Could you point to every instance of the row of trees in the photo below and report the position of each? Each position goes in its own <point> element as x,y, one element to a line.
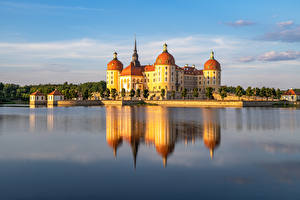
<point>249,92</point>
<point>11,92</point>
<point>222,91</point>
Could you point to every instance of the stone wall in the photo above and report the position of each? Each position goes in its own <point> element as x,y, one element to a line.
<point>178,103</point>
<point>197,103</point>
<point>79,103</point>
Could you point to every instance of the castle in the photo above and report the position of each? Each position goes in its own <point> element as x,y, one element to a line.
<point>163,74</point>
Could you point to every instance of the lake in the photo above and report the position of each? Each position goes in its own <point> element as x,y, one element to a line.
<point>149,152</point>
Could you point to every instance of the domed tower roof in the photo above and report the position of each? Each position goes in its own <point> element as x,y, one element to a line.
<point>115,64</point>
<point>212,64</point>
<point>165,58</point>
<point>114,143</point>
<point>211,141</point>
<point>165,151</point>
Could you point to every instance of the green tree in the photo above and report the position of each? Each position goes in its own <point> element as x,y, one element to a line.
<point>223,92</point>
<point>85,94</point>
<point>209,92</point>
<point>114,93</point>
<point>195,92</point>
<point>102,93</point>
<point>107,92</point>
<point>184,93</point>
<point>73,93</point>
<point>123,92</point>
<point>262,92</point>
<point>173,94</point>
<point>146,93</point>
<point>239,91</point>
<point>268,93</point>
<point>132,93</point>
<point>138,92</point>
<point>273,91</point>
<point>256,92</point>
<point>278,93</point>
<point>249,92</point>
<point>162,93</point>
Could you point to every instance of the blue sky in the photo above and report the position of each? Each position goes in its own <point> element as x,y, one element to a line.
<point>52,41</point>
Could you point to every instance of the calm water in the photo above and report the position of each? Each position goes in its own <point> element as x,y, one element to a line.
<point>149,153</point>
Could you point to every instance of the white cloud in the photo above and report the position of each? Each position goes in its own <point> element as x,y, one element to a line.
<point>285,34</point>
<point>279,56</point>
<point>286,23</point>
<point>240,23</point>
<point>85,59</point>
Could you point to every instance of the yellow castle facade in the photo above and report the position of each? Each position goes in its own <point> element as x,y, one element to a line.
<point>163,74</point>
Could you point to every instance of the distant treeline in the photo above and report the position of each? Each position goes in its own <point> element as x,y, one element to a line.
<point>249,92</point>
<point>14,92</point>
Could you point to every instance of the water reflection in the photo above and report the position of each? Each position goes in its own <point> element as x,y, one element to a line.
<point>162,128</point>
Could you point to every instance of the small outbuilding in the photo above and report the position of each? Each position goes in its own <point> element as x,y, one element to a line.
<point>55,96</point>
<point>37,98</point>
<point>291,95</point>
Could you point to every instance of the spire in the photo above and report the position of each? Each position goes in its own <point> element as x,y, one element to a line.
<point>115,152</point>
<point>135,44</point>
<point>134,148</point>
<point>165,48</point>
<point>165,159</point>
<point>212,55</point>
<point>115,55</point>
<point>135,56</point>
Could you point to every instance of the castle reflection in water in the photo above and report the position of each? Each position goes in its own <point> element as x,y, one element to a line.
<point>161,127</point>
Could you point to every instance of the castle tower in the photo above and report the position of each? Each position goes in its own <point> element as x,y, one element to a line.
<point>114,68</point>
<point>165,68</point>
<point>212,72</point>
<point>211,130</point>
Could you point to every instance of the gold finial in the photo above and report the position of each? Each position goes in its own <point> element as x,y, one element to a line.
<point>115,55</point>
<point>165,47</point>
<point>212,55</point>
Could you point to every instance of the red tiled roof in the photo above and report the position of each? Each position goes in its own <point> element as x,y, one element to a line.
<point>212,64</point>
<point>192,71</point>
<point>38,93</point>
<point>132,70</point>
<point>148,68</point>
<point>291,92</point>
<point>55,92</point>
<point>115,64</point>
<point>165,58</point>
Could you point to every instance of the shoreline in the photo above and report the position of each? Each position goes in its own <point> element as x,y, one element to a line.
<point>173,103</point>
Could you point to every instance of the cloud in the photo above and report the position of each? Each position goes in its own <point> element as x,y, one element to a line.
<point>272,56</point>
<point>285,35</point>
<point>85,59</point>
<point>247,59</point>
<point>279,56</point>
<point>240,23</point>
<point>285,24</point>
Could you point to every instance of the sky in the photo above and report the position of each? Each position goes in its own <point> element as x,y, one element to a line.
<point>52,41</point>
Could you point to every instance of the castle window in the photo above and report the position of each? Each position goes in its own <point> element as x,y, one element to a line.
<point>158,87</point>
<point>166,79</point>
